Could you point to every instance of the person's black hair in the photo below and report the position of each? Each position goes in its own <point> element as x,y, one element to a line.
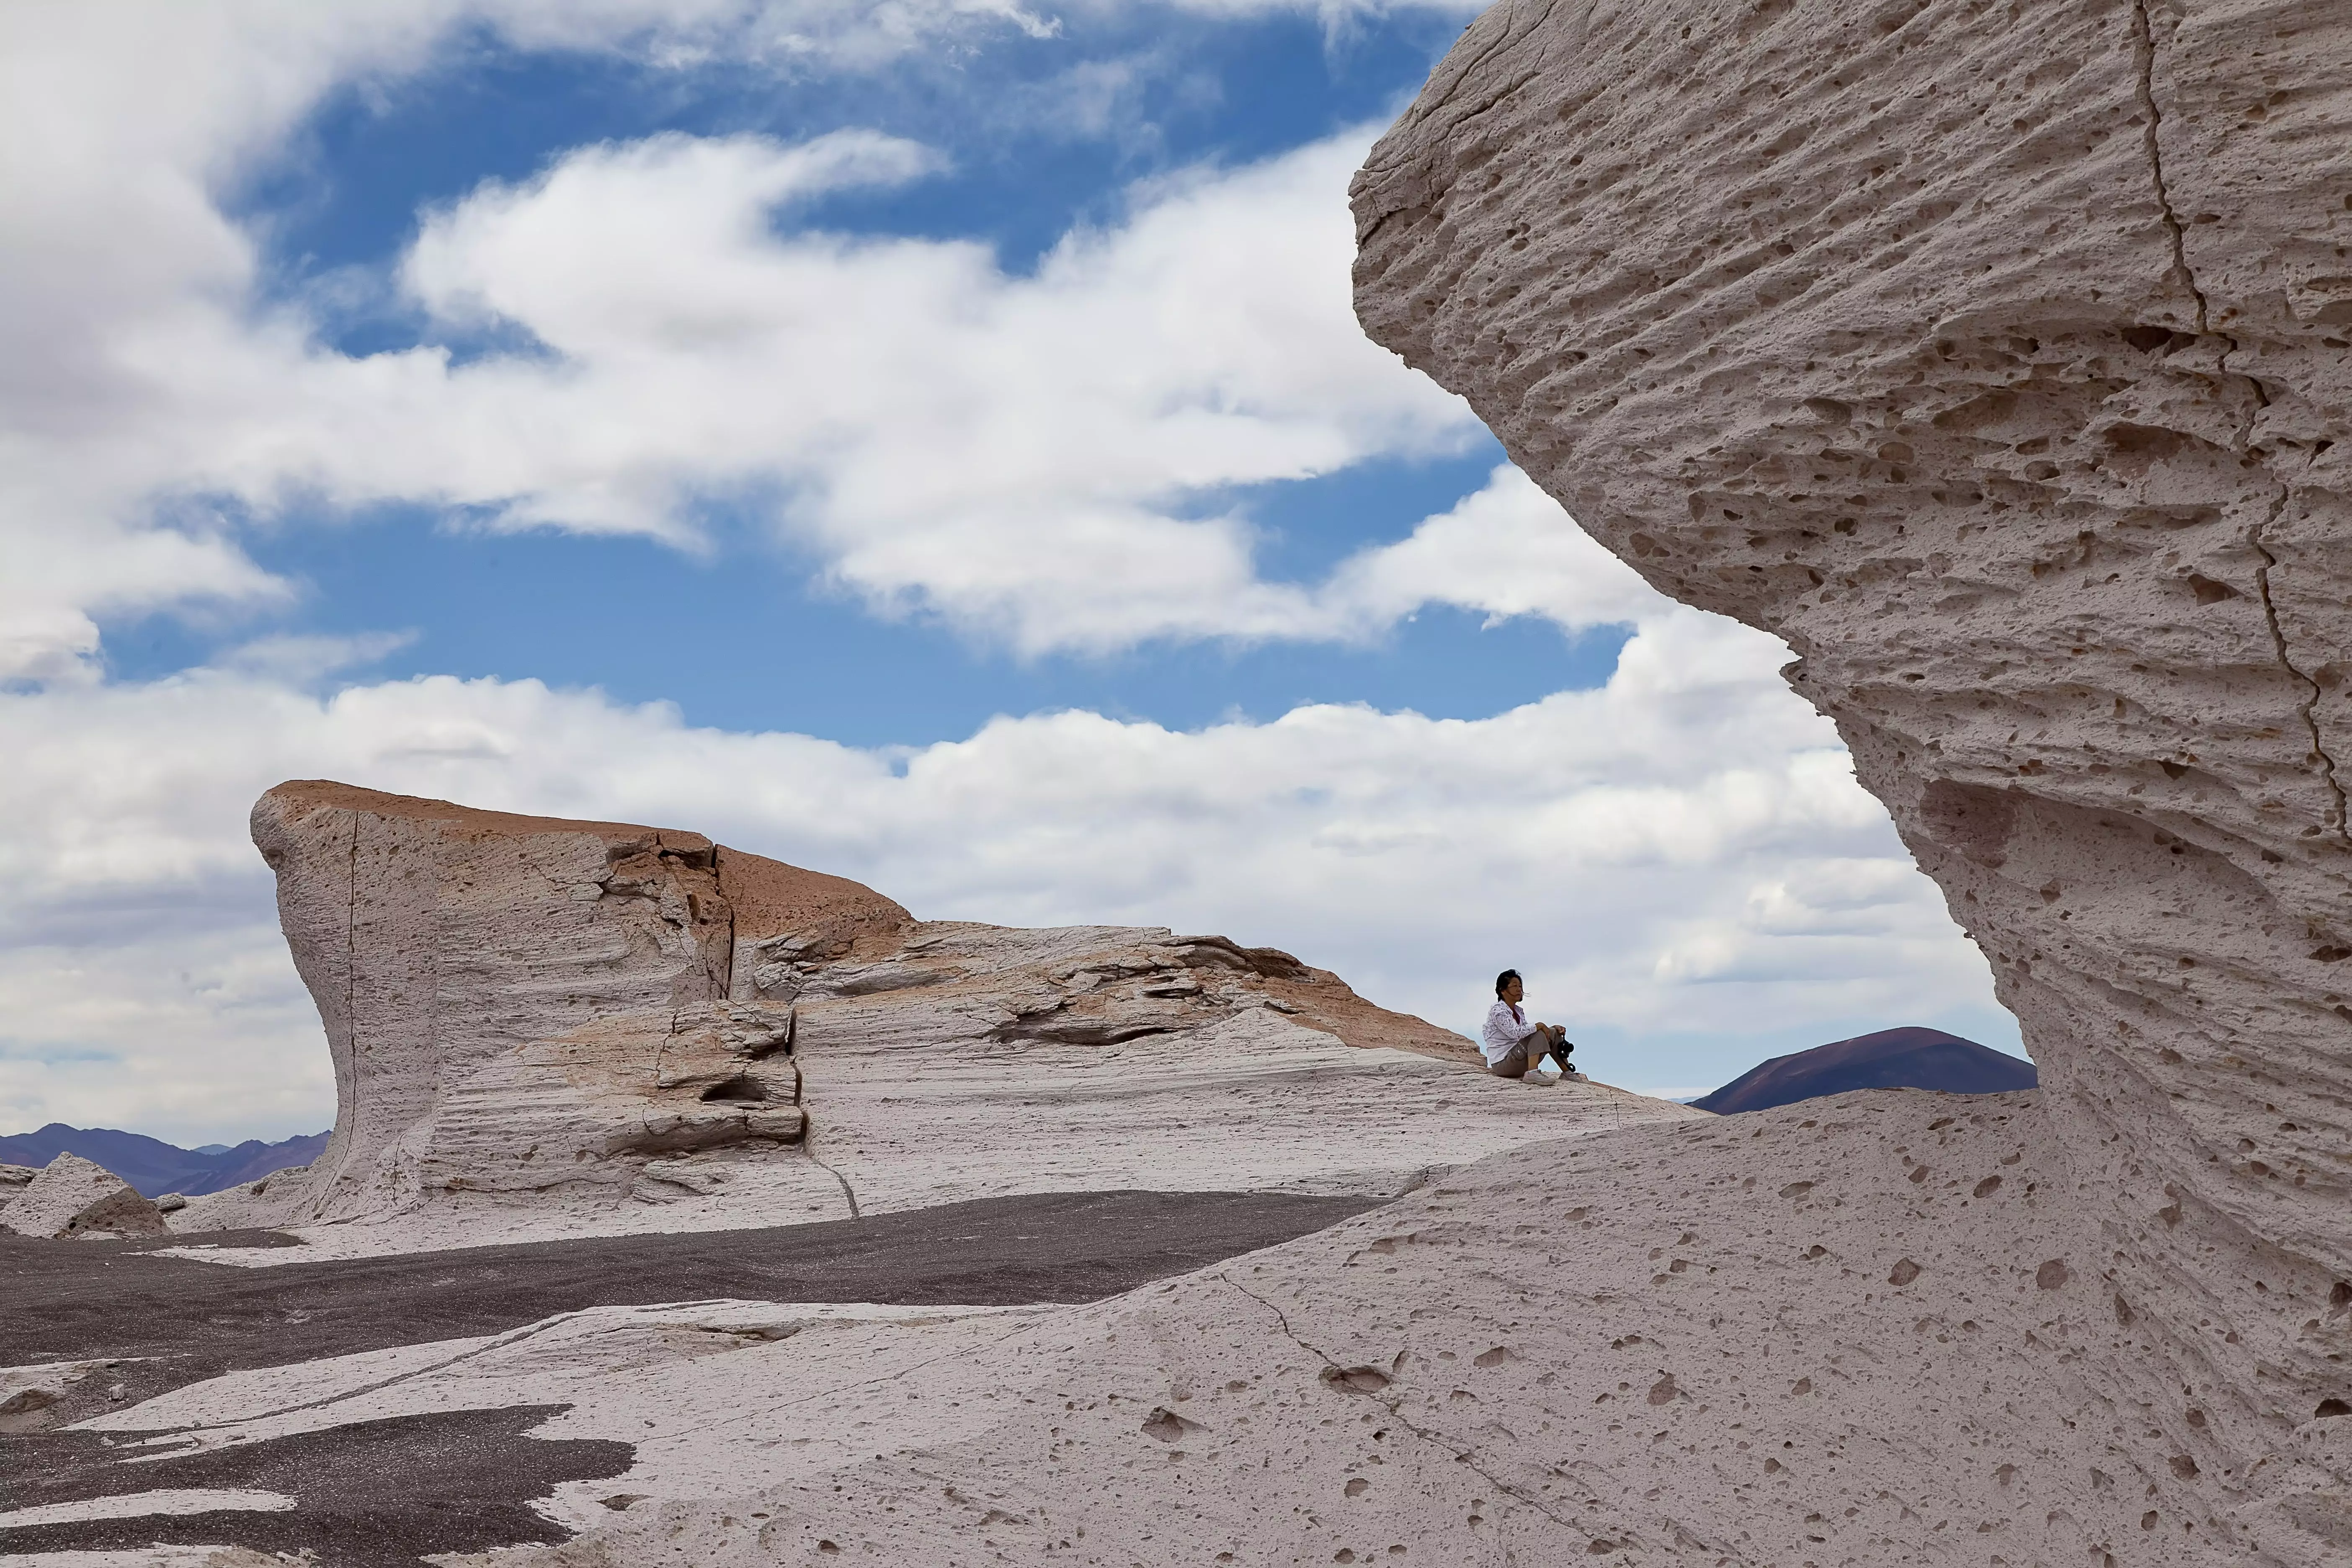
<point>1505,979</point>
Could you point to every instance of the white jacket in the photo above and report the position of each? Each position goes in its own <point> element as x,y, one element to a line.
<point>1505,1027</point>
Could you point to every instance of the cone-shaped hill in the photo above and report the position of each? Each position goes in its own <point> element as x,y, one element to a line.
<point>1891,1058</point>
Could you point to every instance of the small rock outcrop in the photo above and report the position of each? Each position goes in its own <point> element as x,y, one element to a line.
<point>72,1197</point>
<point>519,1006</point>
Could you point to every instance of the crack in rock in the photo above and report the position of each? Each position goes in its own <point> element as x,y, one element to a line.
<point>2308,706</point>
<point>808,1147</point>
<point>2144,57</point>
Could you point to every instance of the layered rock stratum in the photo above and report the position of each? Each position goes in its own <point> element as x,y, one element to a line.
<point>1996,358</point>
<point>542,1026</point>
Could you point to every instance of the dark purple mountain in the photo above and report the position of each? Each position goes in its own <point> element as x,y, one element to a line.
<point>153,1167</point>
<point>1891,1058</point>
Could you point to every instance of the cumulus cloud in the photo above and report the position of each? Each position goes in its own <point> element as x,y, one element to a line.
<point>1680,855</point>
<point>1023,455</point>
<point>131,301</point>
<point>1018,454</point>
<point>1504,550</point>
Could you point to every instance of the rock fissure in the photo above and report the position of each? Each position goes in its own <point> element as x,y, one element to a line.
<point>836,1390</point>
<point>502,1341</point>
<point>2143,66</point>
<point>2309,705</point>
<point>808,1147</point>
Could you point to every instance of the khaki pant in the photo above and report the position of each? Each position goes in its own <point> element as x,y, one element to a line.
<point>1522,1058</point>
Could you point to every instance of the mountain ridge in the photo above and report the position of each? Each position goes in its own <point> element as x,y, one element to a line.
<point>154,1167</point>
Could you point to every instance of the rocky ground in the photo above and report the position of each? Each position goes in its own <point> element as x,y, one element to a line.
<point>107,1342</point>
<point>1858,1330</point>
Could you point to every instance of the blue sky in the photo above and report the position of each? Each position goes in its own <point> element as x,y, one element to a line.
<point>474,603</point>
<point>930,443</point>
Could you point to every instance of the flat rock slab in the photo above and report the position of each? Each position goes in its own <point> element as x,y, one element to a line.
<point>160,1323</point>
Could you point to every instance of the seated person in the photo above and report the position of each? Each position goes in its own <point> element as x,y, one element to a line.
<point>1513,1046</point>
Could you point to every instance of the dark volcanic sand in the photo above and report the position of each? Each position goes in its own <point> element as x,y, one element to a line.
<point>375,1494</point>
<point>465,1480</point>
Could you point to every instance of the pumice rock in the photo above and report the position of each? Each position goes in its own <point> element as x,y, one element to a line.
<point>542,1026</point>
<point>514,1003</point>
<point>1996,358</point>
<point>1625,1348</point>
<point>72,1196</point>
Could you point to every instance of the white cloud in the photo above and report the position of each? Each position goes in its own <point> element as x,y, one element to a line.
<point>1017,453</point>
<point>131,302</point>
<point>1014,453</point>
<point>1681,853</point>
<point>300,660</point>
<point>1505,550</point>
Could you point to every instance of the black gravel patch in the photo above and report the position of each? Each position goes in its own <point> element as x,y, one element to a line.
<point>394,1491</point>
<point>376,1494</point>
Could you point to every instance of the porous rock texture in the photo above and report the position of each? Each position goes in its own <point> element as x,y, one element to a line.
<point>1629,1348</point>
<point>72,1196</point>
<point>542,1026</point>
<point>1994,356</point>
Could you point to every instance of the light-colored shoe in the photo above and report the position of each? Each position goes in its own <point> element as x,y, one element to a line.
<point>1540,1078</point>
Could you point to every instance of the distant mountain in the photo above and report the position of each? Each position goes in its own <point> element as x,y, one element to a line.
<point>1891,1058</point>
<point>153,1167</point>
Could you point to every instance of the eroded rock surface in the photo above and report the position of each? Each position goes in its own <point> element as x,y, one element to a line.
<point>1624,1348</point>
<point>1996,358</point>
<point>72,1196</point>
<point>535,1021</point>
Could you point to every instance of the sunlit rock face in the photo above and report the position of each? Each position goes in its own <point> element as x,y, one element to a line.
<point>554,1021</point>
<point>521,1003</point>
<point>1995,356</point>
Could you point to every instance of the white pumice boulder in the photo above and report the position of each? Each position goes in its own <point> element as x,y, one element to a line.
<point>72,1196</point>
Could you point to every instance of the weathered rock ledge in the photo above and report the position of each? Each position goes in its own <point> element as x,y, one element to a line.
<point>1996,357</point>
<point>542,1026</point>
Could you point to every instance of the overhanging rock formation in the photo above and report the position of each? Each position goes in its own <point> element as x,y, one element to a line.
<point>555,1026</point>
<point>1996,357</point>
